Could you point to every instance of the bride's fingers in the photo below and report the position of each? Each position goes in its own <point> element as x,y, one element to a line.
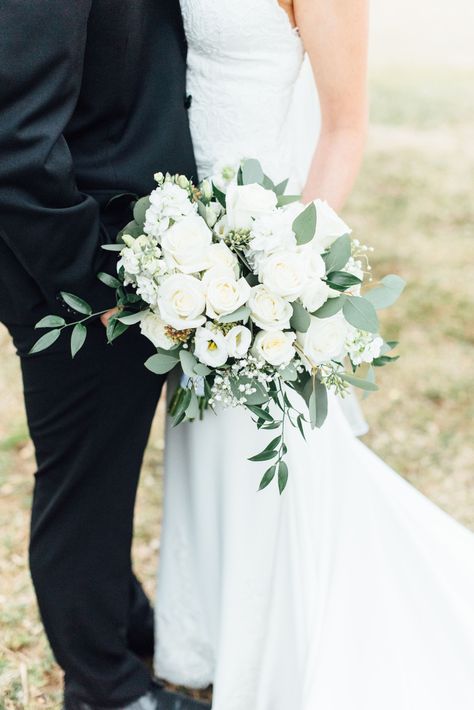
<point>107,316</point>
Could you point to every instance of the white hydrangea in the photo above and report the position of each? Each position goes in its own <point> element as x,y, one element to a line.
<point>168,204</point>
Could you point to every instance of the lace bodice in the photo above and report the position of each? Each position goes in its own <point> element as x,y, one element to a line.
<point>243,62</point>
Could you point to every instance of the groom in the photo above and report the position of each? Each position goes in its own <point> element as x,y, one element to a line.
<point>92,104</point>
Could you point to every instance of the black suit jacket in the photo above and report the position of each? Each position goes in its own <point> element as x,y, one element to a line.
<point>92,104</point>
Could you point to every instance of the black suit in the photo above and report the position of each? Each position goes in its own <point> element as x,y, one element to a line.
<point>92,103</point>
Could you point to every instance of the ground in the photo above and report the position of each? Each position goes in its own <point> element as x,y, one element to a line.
<point>413,203</point>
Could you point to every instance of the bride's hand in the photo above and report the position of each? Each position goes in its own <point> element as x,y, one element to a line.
<point>107,316</point>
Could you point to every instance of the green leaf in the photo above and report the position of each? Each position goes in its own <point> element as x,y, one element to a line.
<point>115,329</point>
<point>361,314</point>
<point>45,341</point>
<point>51,322</point>
<point>318,404</point>
<point>299,422</point>
<point>252,172</point>
<point>241,314</point>
<point>112,247</point>
<point>132,229</point>
<point>202,370</point>
<point>76,303</point>
<point>359,382</point>
<point>132,318</point>
<point>300,320</point>
<point>384,360</point>
<point>304,225</point>
<point>268,477</point>
<point>139,210</point>
<point>281,187</point>
<point>282,476</point>
<point>188,362</point>
<point>219,195</point>
<point>284,200</point>
<point>265,455</point>
<point>330,308</point>
<point>192,410</point>
<point>182,405</point>
<point>78,338</point>
<point>260,413</point>
<point>290,373</point>
<point>268,183</point>
<point>109,280</point>
<point>160,363</point>
<point>386,294</point>
<point>341,280</point>
<point>339,254</point>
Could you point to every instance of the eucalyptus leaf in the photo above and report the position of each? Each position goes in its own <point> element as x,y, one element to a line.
<point>318,404</point>
<point>115,329</point>
<point>282,476</point>
<point>76,303</point>
<point>384,360</point>
<point>183,403</point>
<point>290,373</point>
<point>45,341</point>
<point>281,187</point>
<point>78,338</point>
<point>140,209</point>
<point>252,172</point>
<point>268,477</point>
<point>202,370</point>
<point>284,200</point>
<point>241,314</point>
<point>386,294</point>
<point>188,362</point>
<point>300,320</point>
<point>132,229</point>
<point>268,183</point>
<point>339,254</point>
<point>219,195</point>
<point>304,226</point>
<point>361,314</point>
<point>260,413</point>
<point>359,382</point>
<point>51,322</point>
<point>132,318</point>
<point>112,247</point>
<point>330,308</point>
<point>161,364</point>
<point>192,410</point>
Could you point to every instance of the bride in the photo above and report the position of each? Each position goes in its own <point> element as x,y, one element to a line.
<point>351,591</point>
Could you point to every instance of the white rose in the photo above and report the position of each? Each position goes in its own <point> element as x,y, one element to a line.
<point>186,245</point>
<point>238,341</point>
<point>324,339</point>
<point>285,274</point>
<point>223,293</point>
<point>210,347</point>
<point>269,311</point>
<point>247,202</point>
<point>168,203</point>
<point>329,226</point>
<point>315,294</point>
<point>275,347</point>
<point>182,302</point>
<point>221,255</point>
<point>153,328</point>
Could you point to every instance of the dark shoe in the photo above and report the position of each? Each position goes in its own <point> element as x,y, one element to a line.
<point>156,699</point>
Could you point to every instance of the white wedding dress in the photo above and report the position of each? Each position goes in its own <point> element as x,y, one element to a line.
<point>351,591</point>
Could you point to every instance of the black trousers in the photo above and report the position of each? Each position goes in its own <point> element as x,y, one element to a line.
<point>90,420</point>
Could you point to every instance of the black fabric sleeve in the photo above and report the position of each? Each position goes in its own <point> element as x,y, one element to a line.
<point>52,228</point>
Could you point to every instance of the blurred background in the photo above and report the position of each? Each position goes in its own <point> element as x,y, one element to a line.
<point>414,204</point>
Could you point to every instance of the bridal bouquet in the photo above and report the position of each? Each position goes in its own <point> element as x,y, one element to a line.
<point>250,294</point>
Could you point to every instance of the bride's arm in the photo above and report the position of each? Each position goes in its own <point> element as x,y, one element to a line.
<point>335,35</point>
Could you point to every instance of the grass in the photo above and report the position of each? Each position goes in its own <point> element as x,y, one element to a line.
<point>413,202</point>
